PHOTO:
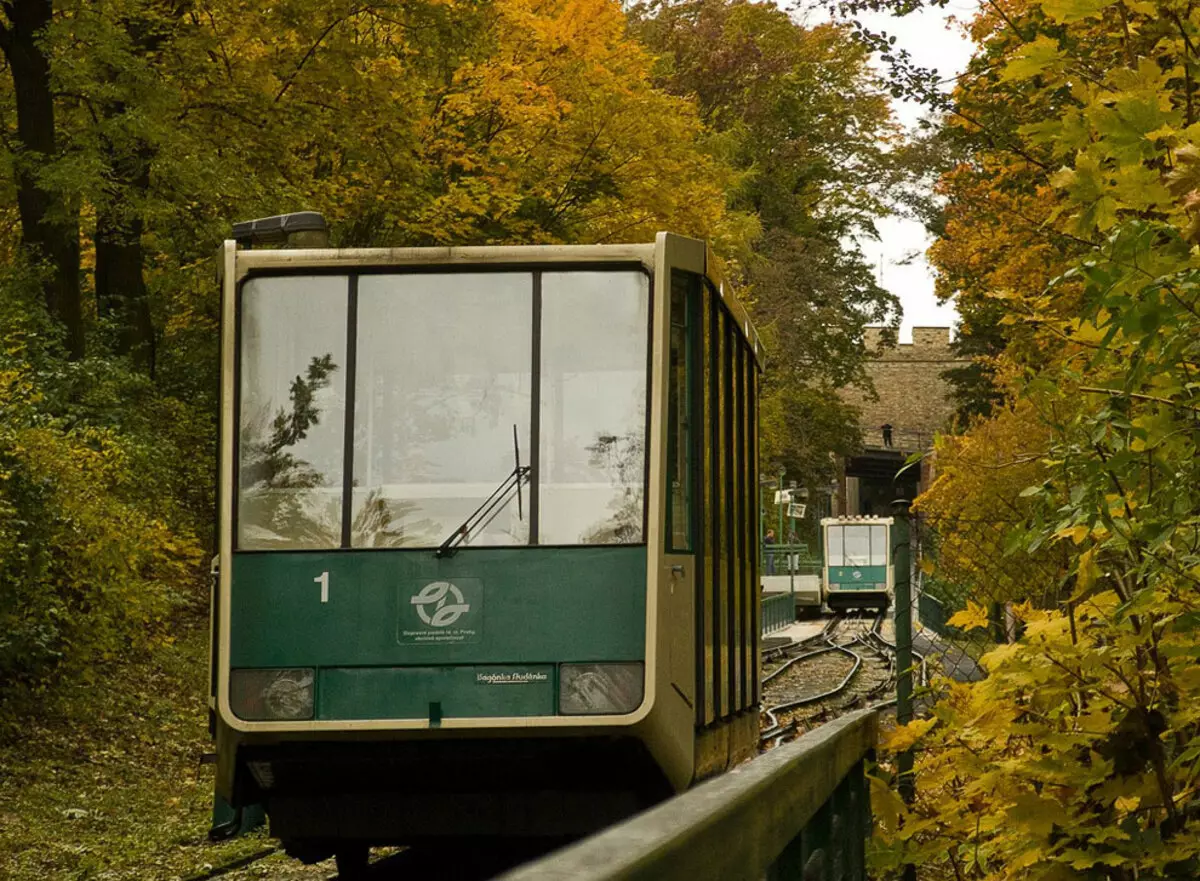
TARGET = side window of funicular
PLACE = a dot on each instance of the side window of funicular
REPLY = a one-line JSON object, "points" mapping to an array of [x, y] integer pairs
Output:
{"points": [[685, 294], [292, 414], [592, 454], [834, 545], [444, 377], [879, 545]]}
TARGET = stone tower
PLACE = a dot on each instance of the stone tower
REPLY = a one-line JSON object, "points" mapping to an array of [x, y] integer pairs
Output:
{"points": [[914, 402]]}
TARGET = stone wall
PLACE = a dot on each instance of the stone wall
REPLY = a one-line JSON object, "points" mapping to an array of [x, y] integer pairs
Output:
{"points": [[913, 397]]}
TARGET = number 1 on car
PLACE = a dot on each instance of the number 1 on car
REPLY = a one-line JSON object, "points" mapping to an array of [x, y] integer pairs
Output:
{"points": [[323, 580]]}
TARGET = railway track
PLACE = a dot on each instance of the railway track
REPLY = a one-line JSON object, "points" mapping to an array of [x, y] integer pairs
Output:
{"points": [[848, 664], [774, 658]]}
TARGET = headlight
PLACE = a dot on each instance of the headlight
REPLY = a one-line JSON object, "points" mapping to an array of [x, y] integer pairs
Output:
{"points": [[271, 695], [599, 689]]}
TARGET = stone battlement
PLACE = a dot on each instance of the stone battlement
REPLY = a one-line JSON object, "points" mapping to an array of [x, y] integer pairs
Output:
{"points": [[928, 343], [914, 397]]}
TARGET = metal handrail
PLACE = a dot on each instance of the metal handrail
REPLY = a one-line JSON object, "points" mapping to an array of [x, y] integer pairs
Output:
{"points": [[790, 558], [905, 439], [781, 813], [778, 611]]}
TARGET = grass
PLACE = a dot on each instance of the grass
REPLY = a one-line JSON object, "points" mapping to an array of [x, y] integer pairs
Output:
{"points": [[105, 780]]}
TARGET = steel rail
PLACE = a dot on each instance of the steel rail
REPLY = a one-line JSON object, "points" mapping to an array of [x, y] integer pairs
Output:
{"points": [[833, 692], [782, 651], [804, 657], [891, 647], [885, 651], [772, 712]]}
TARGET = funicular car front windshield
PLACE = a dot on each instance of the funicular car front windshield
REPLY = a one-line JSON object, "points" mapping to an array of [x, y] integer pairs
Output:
{"points": [[442, 375], [856, 545]]}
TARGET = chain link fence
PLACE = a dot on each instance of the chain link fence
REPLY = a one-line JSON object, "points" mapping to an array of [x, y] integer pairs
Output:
{"points": [[945, 565], [960, 563]]}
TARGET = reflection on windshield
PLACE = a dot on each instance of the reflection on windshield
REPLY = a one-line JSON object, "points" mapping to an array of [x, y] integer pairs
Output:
{"points": [[443, 379], [293, 406], [593, 397], [857, 545], [444, 372], [623, 460]]}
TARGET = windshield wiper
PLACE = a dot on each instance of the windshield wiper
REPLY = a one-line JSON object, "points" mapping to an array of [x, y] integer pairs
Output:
{"points": [[482, 516]]}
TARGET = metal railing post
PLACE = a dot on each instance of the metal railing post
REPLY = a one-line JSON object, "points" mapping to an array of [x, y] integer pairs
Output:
{"points": [[762, 519], [902, 597], [791, 573], [779, 489]]}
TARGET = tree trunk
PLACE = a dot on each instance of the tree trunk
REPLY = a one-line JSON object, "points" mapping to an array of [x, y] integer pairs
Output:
{"points": [[120, 284], [49, 220]]}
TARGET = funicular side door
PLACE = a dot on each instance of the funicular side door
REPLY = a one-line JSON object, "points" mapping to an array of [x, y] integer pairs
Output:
{"points": [[708, 593], [677, 485]]}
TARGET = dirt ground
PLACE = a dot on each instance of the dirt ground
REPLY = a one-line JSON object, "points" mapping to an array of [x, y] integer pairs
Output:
{"points": [[107, 783]]}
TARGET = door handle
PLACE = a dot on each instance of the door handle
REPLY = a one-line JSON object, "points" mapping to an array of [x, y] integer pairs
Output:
{"points": [[677, 570]]}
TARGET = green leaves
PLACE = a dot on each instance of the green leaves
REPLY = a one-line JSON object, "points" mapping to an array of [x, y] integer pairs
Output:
{"points": [[1069, 11], [95, 552], [1086, 185], [799, 113], [1129, 120], [1039, 56], [1069, 760]]}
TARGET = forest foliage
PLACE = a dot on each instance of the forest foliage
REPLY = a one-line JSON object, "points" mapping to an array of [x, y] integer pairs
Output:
{"points": [[1069, 234], [135, 132], [805, 123]]}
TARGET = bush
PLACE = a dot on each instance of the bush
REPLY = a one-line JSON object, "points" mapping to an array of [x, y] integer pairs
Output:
{"points": [[96, 550]]}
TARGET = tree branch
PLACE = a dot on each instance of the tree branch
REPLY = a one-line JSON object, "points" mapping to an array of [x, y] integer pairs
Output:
{"points": [[1119, 393], [312, 50]]}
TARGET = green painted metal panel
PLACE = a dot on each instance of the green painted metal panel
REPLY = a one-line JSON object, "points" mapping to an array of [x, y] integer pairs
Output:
{"points": [[408, 608], [860, 577], [436, 692], [932, 614]]}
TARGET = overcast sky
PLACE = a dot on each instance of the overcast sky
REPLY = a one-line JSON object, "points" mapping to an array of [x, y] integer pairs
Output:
{"points": [[933, 41]]}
